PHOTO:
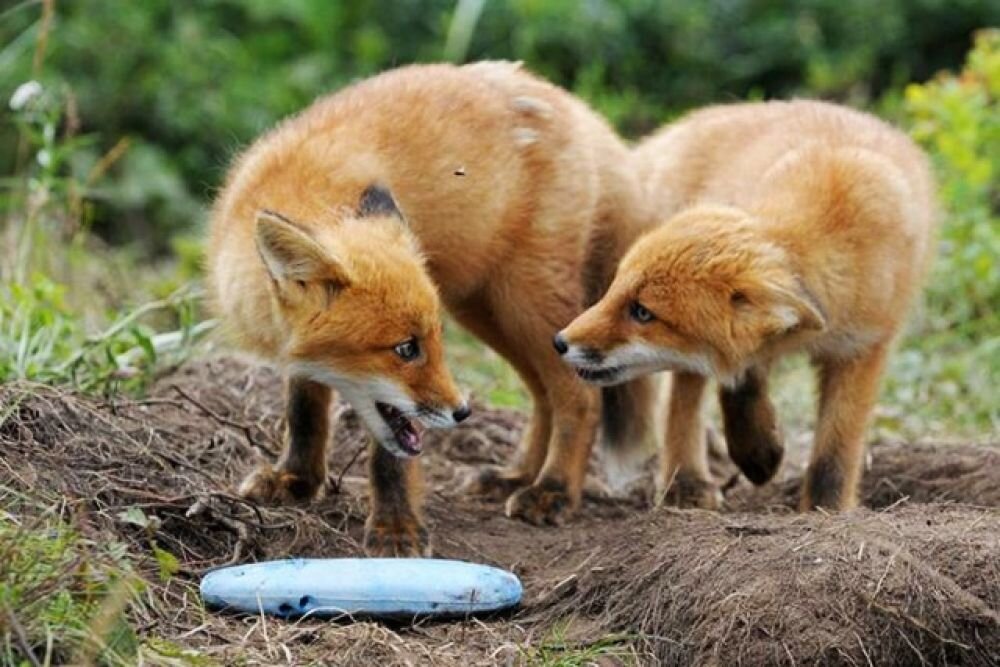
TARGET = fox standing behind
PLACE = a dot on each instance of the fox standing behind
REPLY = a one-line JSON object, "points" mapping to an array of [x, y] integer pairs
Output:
{"points": [[335, 232], [790, 226]]}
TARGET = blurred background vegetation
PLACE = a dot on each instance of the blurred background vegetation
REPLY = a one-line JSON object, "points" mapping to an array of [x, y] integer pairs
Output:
{"points": [[107, 164]]}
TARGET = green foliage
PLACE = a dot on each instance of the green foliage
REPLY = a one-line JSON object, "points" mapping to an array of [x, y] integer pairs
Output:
{"points": [[43, 340], [188, 83], [50, 266], [555, 650], [62, 595], [638, 58], [957, 119], [949, 366]]}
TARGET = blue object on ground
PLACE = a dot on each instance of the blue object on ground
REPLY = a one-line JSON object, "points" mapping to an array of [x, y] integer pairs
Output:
{"points": [[370, 587]]}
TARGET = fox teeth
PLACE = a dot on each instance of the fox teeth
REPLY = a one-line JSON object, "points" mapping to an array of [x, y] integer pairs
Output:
{"points": [[403, 430]]}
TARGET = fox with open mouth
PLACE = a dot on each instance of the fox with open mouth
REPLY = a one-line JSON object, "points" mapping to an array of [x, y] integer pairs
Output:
{"points": [[344, 306], [341, 233]]}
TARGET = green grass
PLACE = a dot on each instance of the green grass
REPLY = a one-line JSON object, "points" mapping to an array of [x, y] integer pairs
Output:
{"points": [[69, 595], [482, 371], [62, 595], [555, 650], [73, 311]]}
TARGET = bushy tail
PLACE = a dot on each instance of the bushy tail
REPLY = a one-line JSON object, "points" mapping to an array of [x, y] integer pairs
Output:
{"points": [[629, 429]]}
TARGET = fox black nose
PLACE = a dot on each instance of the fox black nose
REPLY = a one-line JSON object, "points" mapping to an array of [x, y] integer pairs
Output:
{"points": [[461, 413], [560, 344]]}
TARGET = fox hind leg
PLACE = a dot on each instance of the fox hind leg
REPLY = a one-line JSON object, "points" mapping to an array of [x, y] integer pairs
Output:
{"points": [[300, 474], [499, 482]]}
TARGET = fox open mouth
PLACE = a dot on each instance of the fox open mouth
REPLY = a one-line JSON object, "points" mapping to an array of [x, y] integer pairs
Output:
{"points": [[598, 374], [403, 430]]}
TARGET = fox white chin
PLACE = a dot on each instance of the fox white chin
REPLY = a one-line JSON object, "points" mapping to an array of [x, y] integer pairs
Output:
{"points": [[609, 376], [395, 421], [632, 360]]}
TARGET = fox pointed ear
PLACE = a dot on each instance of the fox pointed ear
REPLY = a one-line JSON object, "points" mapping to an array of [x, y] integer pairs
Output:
{"points": [[795, 308], [779, 309], [290, 253], [378, 201]]}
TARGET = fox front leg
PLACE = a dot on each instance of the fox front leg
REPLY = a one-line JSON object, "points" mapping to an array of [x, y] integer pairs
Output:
{"points": [[394, 527], [753, 437], [848, 390], [684, 479], [300, 474]]}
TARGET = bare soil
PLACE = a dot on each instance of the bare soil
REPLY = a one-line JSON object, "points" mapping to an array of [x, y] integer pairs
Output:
{"points": [[912, 578]]}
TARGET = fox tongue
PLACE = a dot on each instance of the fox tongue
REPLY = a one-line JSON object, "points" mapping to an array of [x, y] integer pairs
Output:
{"points": [[403, 430], [409, 438]]}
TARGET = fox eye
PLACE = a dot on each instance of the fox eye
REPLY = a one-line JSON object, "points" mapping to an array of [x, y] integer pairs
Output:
{"points": [[408, 350], [640, 313]]}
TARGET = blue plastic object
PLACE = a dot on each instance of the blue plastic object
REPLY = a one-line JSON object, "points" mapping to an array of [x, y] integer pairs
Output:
{"points": [[370, 587]]}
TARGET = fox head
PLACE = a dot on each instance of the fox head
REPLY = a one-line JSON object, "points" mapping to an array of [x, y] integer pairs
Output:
{"points": [[362, 316], [703, 293]]}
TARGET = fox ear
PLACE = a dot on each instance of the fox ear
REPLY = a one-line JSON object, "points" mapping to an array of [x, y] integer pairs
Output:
{"points": [[290, 253], [378, 201], [783, 308], [795, 308]]}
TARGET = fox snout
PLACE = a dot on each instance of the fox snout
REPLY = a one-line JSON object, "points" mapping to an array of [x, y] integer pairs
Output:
{"points": [[590, 355], [443, 417], [589, 363], [450, 401], [462, 412], [586, 340]]}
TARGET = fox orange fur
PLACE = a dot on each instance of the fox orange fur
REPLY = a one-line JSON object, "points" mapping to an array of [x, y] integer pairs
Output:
{"points": [[788, 226], [336, 232]]}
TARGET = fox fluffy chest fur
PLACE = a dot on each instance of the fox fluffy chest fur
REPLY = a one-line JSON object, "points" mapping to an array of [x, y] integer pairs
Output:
{"points": [[337, 233], [787, 227]]}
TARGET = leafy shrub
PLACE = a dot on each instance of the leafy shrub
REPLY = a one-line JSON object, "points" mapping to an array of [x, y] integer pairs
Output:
{"points": [[50, 266], [187, 83], [957, 119], [949, 367]]}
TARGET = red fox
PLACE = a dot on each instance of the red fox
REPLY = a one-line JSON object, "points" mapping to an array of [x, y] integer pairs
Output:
{"points": [[789, 226], [336, 231]]}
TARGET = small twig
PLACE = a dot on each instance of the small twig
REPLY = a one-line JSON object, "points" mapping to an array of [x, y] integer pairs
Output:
{"points": [[863, 651], [894, 505], [888, 566], [182, 464], [247, 430], [22, 638], [237, 526], [923, 627], [340, 477]]}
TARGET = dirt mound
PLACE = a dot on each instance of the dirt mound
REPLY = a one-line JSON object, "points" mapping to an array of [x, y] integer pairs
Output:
{"points": [[917, 579], [915, 587]]}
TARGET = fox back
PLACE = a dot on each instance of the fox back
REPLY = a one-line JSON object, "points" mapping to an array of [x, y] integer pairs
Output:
{"points": [[785, 224]]}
